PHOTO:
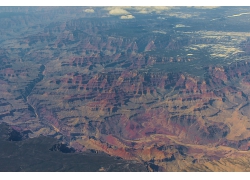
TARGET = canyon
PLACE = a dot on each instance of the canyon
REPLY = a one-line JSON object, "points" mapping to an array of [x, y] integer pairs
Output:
{"points": [[175, 99]]}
